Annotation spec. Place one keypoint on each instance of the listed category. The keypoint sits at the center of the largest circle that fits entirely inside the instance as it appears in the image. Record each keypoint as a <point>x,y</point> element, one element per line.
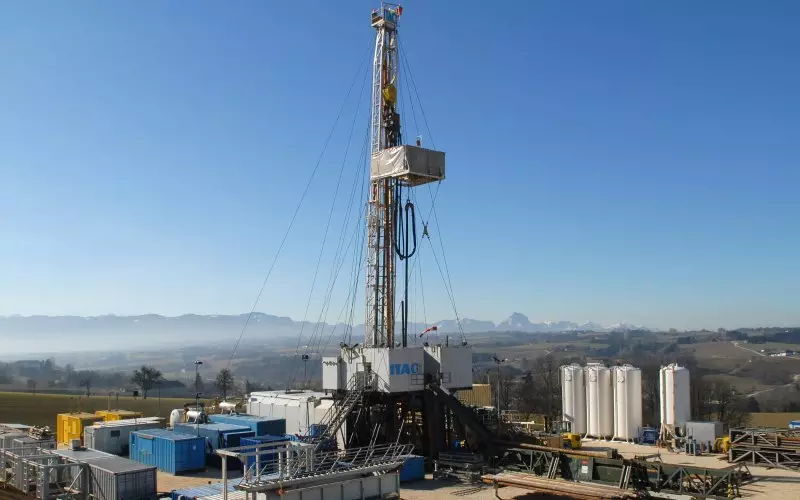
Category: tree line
<point>46,374</point>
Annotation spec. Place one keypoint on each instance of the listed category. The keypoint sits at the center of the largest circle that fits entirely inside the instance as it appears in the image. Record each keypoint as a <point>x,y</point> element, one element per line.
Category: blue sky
<point>607,161</point>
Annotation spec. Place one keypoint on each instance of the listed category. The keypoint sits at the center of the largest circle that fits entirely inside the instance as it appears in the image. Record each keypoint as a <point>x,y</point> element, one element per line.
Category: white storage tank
<point>676,399</point>
<point>599,401</point>
<point>573,397</point>
<point>627,402</point>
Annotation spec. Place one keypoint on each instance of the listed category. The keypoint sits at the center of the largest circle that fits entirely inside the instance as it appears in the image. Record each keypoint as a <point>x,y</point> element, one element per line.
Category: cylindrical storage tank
<point>599,401</point>
<point>175,417</point>
<point>676,398</point>
<point>573,397</point>
<point>627,402</point>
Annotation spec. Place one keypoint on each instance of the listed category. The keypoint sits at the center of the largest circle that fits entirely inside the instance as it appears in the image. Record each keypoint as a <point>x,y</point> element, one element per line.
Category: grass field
<point>41,409</point>
<point>780,420</point>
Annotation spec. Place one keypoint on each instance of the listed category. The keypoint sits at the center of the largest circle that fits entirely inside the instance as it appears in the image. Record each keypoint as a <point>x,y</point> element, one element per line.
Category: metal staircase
<point>336,416</point>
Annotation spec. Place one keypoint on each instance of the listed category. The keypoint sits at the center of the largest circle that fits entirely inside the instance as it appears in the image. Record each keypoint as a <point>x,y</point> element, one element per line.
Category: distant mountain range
<point>66,331</point>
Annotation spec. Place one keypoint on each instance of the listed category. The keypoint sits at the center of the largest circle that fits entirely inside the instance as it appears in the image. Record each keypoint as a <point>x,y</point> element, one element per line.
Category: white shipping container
<point>599,401</point>
<point>704,432</point>
<point>114,438</point>
<point>334,373</point>
<point>573,397</point>
<point>627,402</point>
<point>449,365</point>
<point>297,408</point>
<point>381,486</point>
<point>675,393</point>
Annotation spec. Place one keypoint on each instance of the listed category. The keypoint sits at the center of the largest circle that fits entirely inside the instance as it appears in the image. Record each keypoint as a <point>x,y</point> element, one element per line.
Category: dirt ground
<point>775,484</point>
<point>169,482</point>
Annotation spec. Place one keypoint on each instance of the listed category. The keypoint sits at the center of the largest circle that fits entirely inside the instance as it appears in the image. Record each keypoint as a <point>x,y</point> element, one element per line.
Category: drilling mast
<point>385,133</point>
<point>393,168</point>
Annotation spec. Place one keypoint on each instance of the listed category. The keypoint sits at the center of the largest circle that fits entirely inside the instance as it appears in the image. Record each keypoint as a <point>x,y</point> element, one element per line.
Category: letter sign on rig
<point>404,369</point>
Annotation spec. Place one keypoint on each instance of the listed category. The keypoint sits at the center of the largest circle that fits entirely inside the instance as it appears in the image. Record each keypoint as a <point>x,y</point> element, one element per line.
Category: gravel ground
<point>776,484</point>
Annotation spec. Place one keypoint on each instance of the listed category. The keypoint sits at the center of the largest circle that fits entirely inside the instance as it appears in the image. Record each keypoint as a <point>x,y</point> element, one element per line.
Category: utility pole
<point>498,361</point>
<point>197,364</point>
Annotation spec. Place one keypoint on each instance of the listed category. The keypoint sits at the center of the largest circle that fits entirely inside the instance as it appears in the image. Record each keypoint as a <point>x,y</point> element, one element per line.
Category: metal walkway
<point>297,463</point>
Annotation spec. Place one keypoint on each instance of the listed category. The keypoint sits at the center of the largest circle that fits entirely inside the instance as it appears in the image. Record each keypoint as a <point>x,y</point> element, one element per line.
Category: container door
<point>114,444</point>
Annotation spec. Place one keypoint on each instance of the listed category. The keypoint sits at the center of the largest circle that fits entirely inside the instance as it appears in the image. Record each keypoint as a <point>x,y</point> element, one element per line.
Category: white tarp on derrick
<point>418,165</point>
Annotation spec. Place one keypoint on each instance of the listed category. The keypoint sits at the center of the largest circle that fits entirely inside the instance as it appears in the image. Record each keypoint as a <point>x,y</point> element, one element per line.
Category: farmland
<point>41,409</point>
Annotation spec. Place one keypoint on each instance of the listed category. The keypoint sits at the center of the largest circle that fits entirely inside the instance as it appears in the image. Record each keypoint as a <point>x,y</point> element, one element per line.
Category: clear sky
<point>607,161</point>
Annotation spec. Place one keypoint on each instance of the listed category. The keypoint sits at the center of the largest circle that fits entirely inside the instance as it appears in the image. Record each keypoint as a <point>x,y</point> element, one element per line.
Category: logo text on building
<point>404,369</point>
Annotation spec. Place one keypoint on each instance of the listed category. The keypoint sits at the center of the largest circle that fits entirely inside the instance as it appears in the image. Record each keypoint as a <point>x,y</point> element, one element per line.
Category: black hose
<point>405,221</point>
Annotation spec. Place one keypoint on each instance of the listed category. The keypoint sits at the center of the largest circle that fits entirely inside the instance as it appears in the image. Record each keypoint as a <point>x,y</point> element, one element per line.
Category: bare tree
<point>539,391</point>
<point>224,382</point>
<point>86,382</point>
<point>198,383</point>
<point>728,406</point>
<point>146,378</point>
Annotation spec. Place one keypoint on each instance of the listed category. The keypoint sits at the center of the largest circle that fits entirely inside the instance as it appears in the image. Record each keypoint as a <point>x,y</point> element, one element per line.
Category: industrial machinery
<point>386,390</point>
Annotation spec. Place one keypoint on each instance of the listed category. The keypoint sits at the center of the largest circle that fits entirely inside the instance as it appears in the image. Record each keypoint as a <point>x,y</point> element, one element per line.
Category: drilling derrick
<point>385,390</point>
<point>393,168</point>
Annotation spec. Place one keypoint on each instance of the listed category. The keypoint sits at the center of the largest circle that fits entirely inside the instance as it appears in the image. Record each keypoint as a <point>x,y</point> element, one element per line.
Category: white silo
<point>676,398</point>
<point>627,402</point>
<point>599,401</point>
<point>573,397</point>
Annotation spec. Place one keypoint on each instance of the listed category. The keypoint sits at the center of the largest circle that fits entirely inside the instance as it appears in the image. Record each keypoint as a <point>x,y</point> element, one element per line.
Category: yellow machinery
<point>722,444</point>
<point>70,426</point>
<point>572,441</point>
<point>109,415</point>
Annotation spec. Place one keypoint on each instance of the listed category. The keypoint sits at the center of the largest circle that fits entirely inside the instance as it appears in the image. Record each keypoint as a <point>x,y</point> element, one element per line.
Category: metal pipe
<point>565,451</point>
<point>224,477</point>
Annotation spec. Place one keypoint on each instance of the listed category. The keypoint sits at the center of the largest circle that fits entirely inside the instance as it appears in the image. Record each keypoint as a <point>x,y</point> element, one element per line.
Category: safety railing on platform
<point>272,466</point>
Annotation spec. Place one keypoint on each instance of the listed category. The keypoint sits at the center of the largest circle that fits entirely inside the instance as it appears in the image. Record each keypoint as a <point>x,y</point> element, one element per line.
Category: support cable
<point>330,217</point>
<point>296,211</point>
<point>340,257</point>
<point>435,194</point>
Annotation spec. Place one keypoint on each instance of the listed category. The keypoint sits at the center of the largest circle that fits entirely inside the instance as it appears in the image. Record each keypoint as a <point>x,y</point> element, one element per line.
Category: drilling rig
<point>388,391</point>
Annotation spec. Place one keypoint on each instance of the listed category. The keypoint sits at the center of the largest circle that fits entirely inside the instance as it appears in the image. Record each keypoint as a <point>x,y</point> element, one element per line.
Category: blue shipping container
<point>217,435</point>
<point>261,426</point>
<point>794,424</point>
<point>170,451</point>
<point>413,468</point>
<point>264,457</point>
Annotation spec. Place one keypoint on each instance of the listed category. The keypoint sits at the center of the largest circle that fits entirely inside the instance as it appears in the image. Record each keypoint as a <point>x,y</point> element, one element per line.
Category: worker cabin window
<point>114,434</point>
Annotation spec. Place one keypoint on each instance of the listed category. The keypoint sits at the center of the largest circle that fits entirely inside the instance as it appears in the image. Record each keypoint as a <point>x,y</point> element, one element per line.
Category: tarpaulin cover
<point>418,165</point>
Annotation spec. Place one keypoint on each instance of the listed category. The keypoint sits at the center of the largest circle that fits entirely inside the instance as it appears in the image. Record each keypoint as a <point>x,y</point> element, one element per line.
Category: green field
<point>41,409</point>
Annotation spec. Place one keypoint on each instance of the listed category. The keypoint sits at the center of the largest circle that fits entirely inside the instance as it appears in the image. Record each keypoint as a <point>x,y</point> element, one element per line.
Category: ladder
<point>555,466</point>
<point>625,477</point>
<point>336,416</point>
